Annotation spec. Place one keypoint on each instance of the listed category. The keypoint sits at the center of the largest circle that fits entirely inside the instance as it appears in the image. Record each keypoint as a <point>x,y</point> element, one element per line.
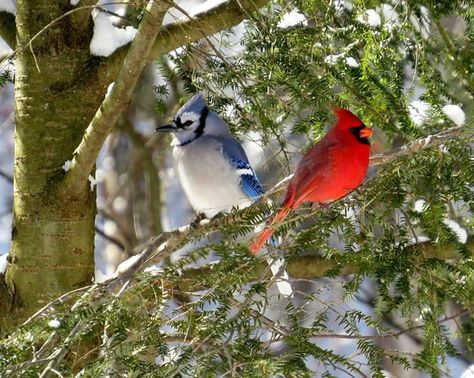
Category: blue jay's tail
<point>277,266</point>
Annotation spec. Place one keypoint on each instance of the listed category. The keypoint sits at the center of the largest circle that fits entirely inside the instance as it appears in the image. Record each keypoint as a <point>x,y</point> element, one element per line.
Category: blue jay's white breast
<point>210,183</point>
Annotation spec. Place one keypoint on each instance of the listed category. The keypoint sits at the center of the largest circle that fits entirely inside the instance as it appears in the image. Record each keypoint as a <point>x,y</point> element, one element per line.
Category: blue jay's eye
<point>187,123</point>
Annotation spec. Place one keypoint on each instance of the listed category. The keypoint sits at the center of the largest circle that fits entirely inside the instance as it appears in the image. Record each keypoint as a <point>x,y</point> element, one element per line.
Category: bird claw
<point>197,219</point>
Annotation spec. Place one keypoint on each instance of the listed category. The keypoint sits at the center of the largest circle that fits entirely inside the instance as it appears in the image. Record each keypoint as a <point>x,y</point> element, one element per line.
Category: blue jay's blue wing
<point>248,179</point>
<point>238,160</point>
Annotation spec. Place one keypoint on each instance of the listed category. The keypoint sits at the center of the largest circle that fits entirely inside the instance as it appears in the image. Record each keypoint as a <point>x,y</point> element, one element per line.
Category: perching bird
<point>212,165</point>
<point>332,168</point>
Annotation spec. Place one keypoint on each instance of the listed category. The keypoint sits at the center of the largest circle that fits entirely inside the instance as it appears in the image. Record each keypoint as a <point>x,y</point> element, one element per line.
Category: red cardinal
<point>332,168</point>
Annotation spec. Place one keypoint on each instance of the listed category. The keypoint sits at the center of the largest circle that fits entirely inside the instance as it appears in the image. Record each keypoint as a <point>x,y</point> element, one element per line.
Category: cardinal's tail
<point>267,231</point>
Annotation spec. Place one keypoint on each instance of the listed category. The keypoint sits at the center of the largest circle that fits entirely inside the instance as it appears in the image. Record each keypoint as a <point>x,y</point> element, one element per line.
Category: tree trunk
<point>56,94</point>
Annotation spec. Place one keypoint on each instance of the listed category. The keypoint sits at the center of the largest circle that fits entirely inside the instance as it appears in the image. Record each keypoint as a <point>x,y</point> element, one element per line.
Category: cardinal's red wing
<point>313,168</point>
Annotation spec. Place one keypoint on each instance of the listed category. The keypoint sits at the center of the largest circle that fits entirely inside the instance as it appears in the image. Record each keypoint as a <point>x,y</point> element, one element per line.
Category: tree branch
<point>107,115</point>
<point>6,176</point>
<point>214,20</point>
<point>166,243</point>
<point>421,143</point>
<point>307,267</point>
<point>8,28</point>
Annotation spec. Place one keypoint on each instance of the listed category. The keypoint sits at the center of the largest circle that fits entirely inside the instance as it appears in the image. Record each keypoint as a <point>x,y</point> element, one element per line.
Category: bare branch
<point>421,143</point>
<point>6,176</point>
<point>107,115</point>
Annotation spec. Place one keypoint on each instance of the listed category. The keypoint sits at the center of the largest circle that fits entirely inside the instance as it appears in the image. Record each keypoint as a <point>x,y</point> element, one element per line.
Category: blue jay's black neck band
<point>200,129</point>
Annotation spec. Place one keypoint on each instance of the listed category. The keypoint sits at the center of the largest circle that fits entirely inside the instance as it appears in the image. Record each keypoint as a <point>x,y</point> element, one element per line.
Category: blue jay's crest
<point>194,106</point>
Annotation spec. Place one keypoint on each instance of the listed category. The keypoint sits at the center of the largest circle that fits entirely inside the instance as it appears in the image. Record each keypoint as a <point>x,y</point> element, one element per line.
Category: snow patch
<point>282,281</point>
<point>7,6</point>
<point>390,16</point>
<point>455,114</point>
<point>342,5</point>
<point>351,62</point>
<point>126,264</point>
<point>205,7</point>
<point>107,38</point>
<point>3,263</point>
<point>460,232</point>
<point>418,111</point>
<point>154,270</point>
<point>370,17</point>
<point>420,205</point>
<point>54,323</point>
<point>468,373</point>
<point>422,25</point>
<point>92,181</point>
<point>67,165</point>
<point>332,59</point>
<point>292,18</point>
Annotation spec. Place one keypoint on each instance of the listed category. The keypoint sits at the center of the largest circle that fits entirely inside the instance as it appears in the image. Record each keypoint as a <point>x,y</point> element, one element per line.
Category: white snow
<point>291,19</point>
<point>351,62</point>
<point>460,232</point>
<point>7,6</point>
<point>282,282</point>
<point>455,114</point>
<point>341,5</point>
<point>92,181</point>
<point>174,353</point>
<point>390,16</point>
<point>107,38</point>
<point>332,59</point>
<point>370,17</point>
<point>154,270</point>
<point>205,7</point>
<point>74,2</point>
<point>419,206</point>
<point>126,264</point>
<point>3,263</point>
<point>468,373</point>
<point>418,111</point>
<point>54,323</point>
<point>424,27</point>
<point>67,165</point>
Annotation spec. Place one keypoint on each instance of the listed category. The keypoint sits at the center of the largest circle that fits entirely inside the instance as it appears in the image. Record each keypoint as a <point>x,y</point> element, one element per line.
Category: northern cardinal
<point>332,168</point>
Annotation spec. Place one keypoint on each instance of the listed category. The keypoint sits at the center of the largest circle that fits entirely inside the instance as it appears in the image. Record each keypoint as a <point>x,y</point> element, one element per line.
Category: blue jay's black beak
<point>167,128</point>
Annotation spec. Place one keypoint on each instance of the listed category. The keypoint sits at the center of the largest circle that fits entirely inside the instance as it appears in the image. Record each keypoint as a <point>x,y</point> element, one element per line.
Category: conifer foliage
<point>383,277</point>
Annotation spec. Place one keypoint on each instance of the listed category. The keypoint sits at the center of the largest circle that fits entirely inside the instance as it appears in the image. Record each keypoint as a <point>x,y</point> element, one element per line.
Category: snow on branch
<point>222,16</point>
<point>118,98</point>
<point>429,141</point>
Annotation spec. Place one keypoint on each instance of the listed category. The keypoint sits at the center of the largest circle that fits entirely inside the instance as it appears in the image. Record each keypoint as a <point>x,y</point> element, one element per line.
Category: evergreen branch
<point>118,98</point>
<point>8,28</point>
<point>166,243</point>
<point>307,267</point>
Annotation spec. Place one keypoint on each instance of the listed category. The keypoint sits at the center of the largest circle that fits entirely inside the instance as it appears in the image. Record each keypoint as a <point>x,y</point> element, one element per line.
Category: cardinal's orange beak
<point>366,132</point>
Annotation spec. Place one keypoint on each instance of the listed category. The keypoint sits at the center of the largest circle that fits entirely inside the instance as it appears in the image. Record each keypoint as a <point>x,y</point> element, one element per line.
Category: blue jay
<point>212,166</point>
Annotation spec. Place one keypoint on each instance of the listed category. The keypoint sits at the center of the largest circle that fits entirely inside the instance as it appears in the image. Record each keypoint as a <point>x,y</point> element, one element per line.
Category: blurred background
<point>139,196</point>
